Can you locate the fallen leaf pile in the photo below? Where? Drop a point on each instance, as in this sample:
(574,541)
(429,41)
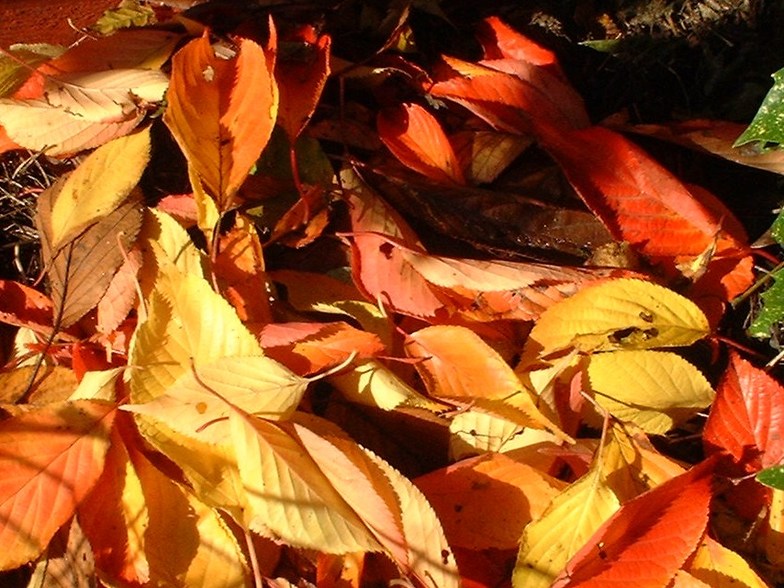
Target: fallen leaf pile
(279,375)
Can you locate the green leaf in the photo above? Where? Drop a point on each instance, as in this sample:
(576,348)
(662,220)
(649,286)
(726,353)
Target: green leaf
(768,124)
(773,477)
(772,309)
(130,13)
(777,229)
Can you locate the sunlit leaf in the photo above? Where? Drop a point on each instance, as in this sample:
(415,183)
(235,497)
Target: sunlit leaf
(82,110)
(569,520)
(288,494)
(456,363)
(746,419)
(666,392)
(198,403)
(617,314)
(430,557)
(416,138)
(51,457)
(221,111)
(649,538)
(772,311)
(101,182)
(720,567)
(187,324)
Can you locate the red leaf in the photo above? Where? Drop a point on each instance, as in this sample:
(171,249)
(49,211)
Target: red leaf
(415,137)
(747,418)
(647,541)
(300,83)
(683,230)
(499,41)
(23,306)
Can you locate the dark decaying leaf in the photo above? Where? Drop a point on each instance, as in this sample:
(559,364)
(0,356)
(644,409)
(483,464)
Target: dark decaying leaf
(81,271)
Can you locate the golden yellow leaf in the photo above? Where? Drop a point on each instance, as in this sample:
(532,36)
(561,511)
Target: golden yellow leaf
(371,383)
(616,314)
(568,522)
(430,557)
(198,403)
(98,186)
(656,390)
(187,324)
(288,494)
(720,567)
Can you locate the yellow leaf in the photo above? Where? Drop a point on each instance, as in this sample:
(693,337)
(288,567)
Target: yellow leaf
(98,186)
(656,390)
(496,426)
(632,464)
(187,324)
(372,384)
(358,479)
(431,559)
(720,567)
(289,495)
(170,243)
(616,314)
(221,109)
(568,522)
(198,403)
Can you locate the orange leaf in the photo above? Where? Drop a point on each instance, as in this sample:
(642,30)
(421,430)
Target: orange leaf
(222,111)
(301,81)
(51,457)
(747,418)
(307,348)
(485,502)
(647,541)
(415,137)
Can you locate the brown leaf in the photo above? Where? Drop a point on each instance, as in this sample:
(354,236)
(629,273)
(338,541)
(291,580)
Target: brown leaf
(80,272)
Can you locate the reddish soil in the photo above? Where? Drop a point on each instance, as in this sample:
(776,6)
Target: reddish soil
(47,21)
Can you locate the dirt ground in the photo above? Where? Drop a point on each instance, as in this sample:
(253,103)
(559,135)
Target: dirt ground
(47,21)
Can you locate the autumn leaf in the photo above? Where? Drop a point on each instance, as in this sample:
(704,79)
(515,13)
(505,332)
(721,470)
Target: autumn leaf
(667,389)
(221,109)
(649,538)
(144,528)
(416,138)
(457,365)
(288,493)
(398,273)
(98,186)
(485,502)
(307,348)
(301,79)
(51,456)
(617,314)
(721,567)
(81,270)
(745,421)
(82,110)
